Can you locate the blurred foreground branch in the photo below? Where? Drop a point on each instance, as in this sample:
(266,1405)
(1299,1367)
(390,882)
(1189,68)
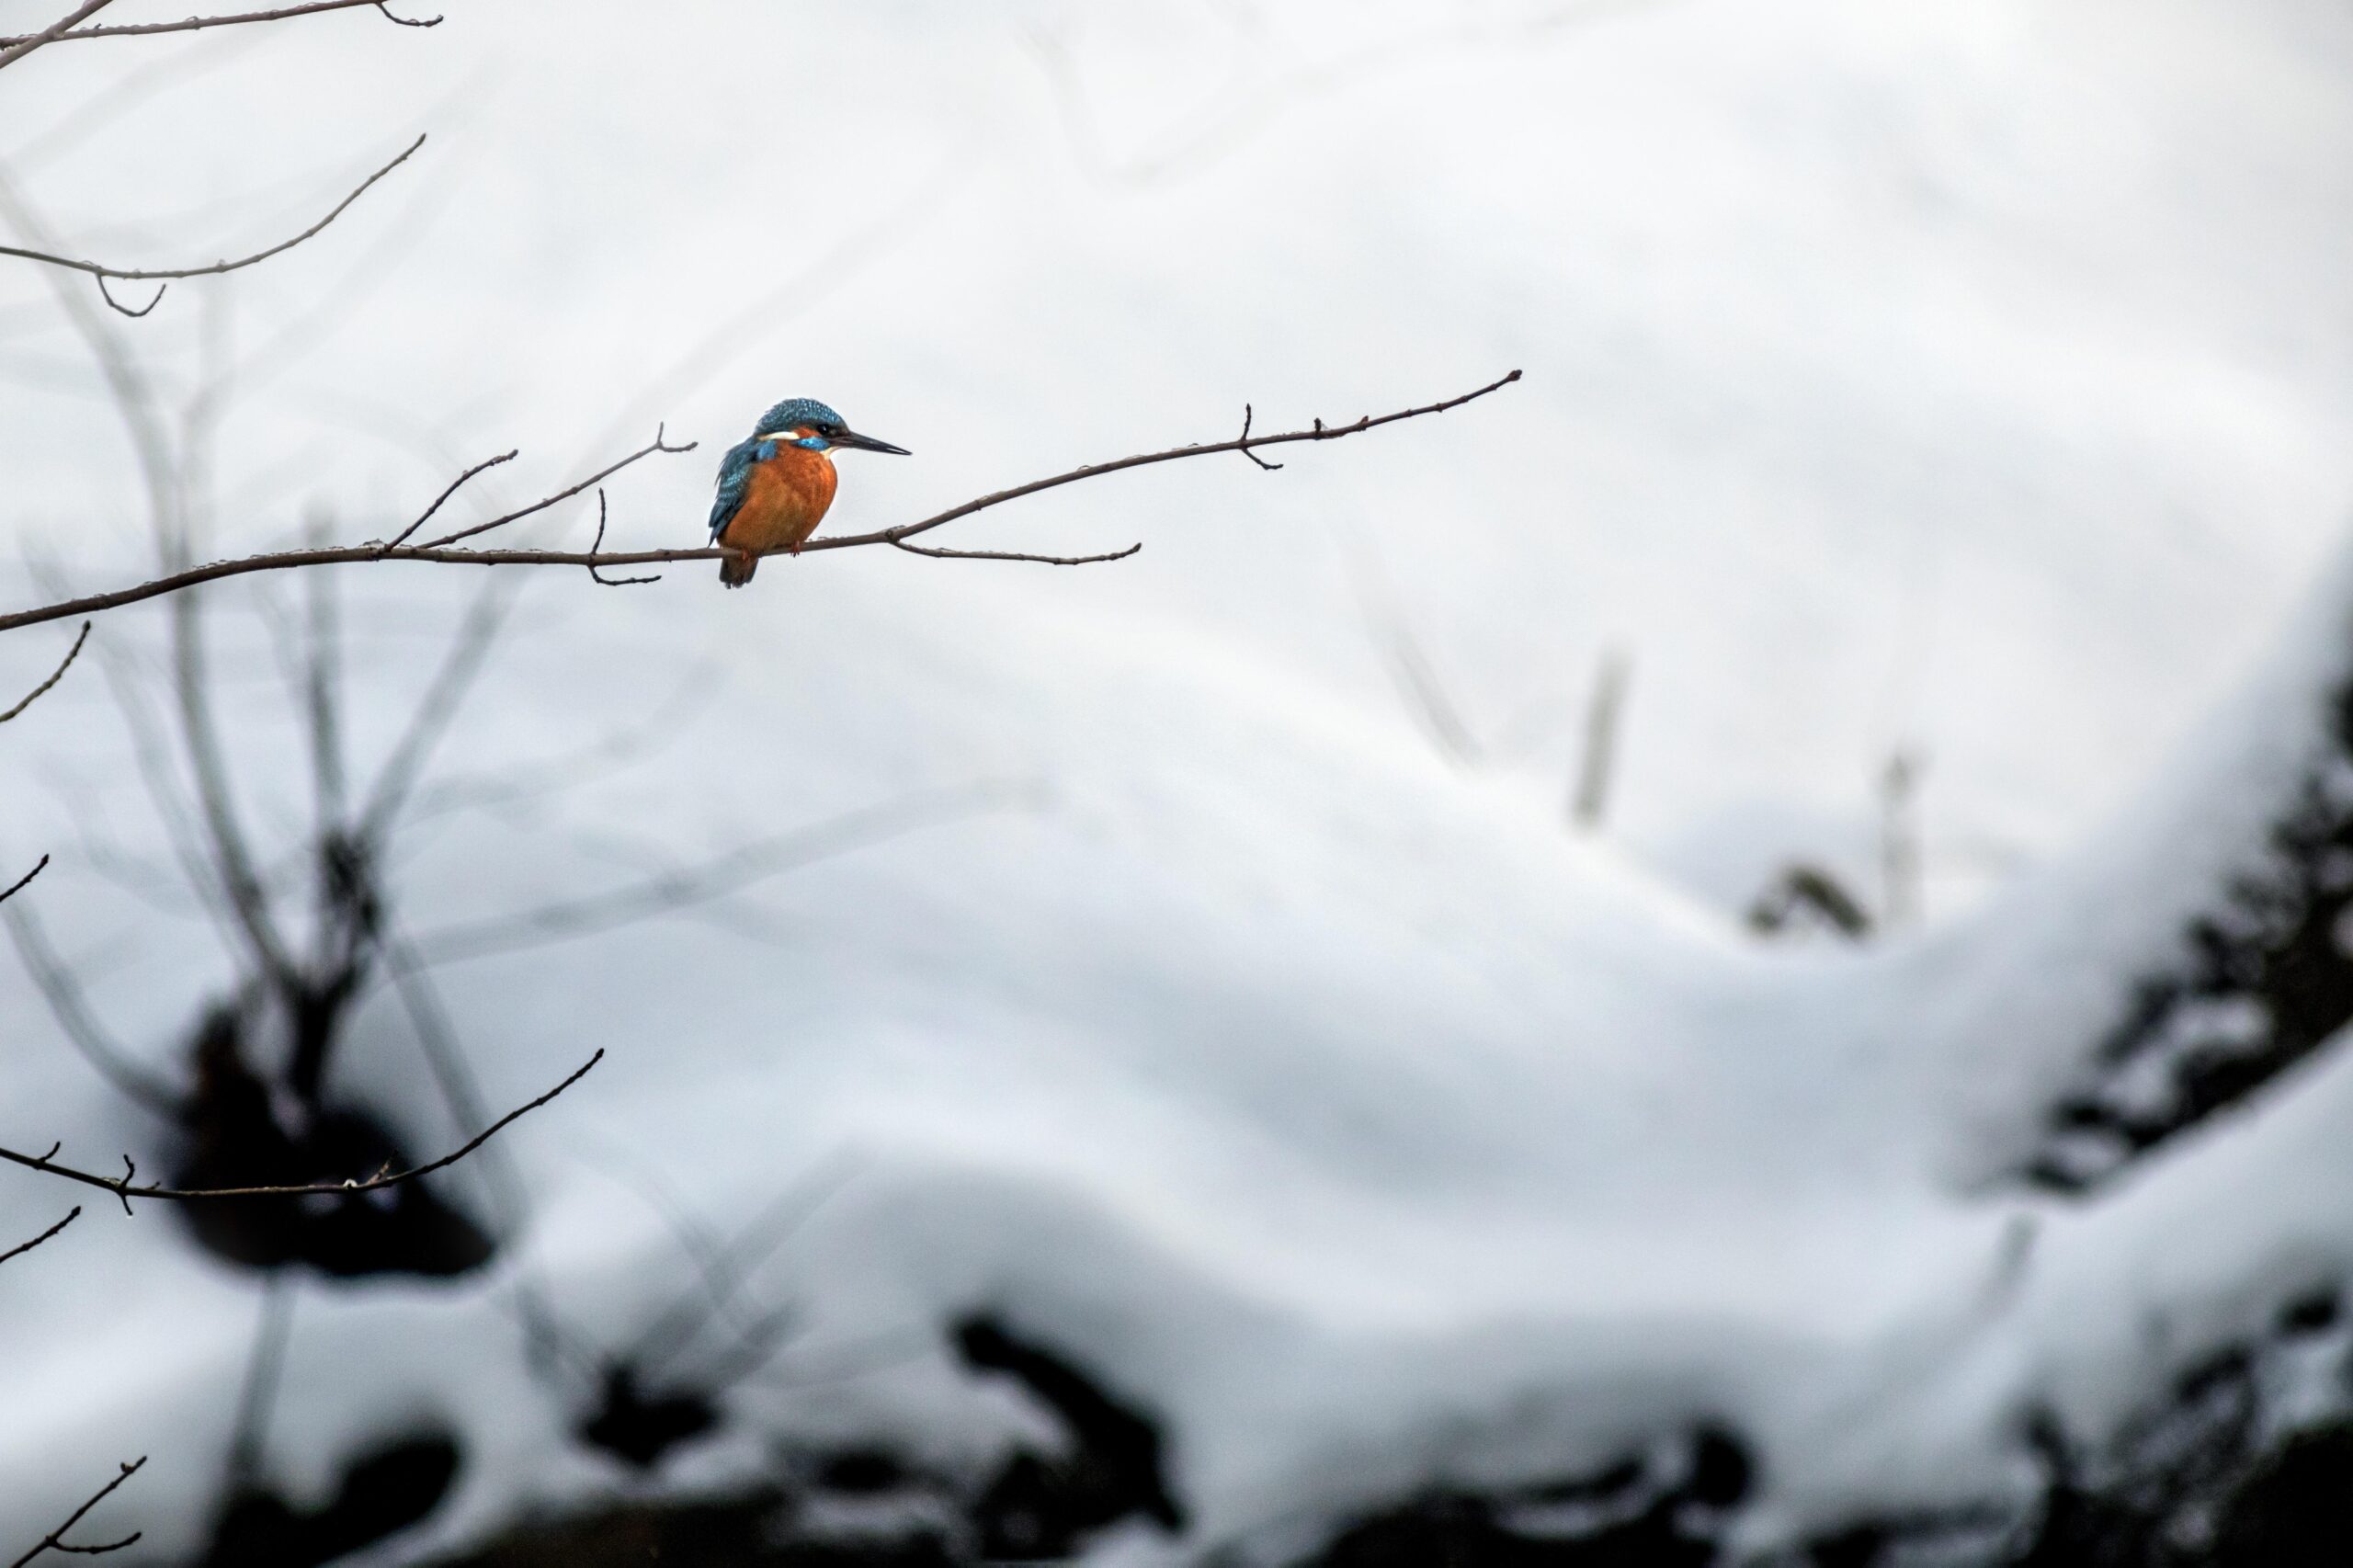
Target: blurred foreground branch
(54,676)
(440,551)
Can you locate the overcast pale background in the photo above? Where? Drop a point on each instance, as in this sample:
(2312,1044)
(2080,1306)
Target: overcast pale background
(1965,377)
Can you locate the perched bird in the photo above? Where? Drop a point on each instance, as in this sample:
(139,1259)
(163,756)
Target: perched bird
(775,487)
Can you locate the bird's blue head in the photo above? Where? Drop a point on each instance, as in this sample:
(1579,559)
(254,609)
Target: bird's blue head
(806,421)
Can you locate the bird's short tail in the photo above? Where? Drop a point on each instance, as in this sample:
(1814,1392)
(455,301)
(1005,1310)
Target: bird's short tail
(736,568)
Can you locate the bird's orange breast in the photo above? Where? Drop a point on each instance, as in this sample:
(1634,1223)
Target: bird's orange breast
(783,503)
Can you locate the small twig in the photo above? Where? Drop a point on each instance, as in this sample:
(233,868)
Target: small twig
(657,445)
(21,882)
(120,309)
(422,517)
(593,573)
(55,676)
(1247,416)
(939,554)
(102,271)
(54,1540)
(27,1246)
(197,24)
(121,1185)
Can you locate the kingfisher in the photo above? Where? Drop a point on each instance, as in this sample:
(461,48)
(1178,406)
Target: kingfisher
(774,488)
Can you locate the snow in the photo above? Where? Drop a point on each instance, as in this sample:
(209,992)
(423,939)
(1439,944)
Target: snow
(1966,376)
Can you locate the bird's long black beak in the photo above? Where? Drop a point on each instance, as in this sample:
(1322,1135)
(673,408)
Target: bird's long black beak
(867,444)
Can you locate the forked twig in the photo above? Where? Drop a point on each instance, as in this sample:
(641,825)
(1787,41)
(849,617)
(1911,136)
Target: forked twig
(56,1539)
(657,445)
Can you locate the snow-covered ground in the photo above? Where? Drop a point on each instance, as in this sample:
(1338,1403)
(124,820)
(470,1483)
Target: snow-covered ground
(1964,378)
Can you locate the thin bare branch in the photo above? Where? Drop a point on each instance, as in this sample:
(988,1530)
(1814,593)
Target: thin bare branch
(56,1539)
(122,1189)
(657,445)
(22,1247)
(16,49)
(938,554)
(199,24)
(1319,431)
(22,883)
(402,537)
(279,560)
(102,271)
(55,676)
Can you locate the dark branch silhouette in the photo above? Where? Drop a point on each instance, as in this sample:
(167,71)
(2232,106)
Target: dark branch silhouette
(102,272)
(56,1539)
(198,23)
(122,1189)
(55,676)
(439,552)
(22,1247)
(22,883)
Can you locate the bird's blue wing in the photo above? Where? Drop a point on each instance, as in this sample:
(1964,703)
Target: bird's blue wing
(735,480)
